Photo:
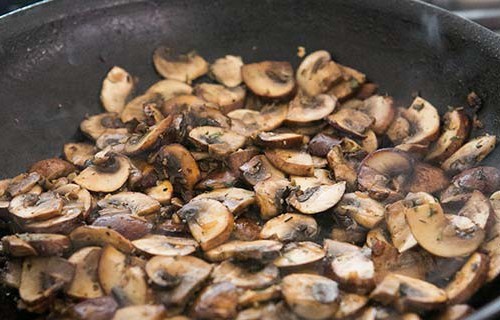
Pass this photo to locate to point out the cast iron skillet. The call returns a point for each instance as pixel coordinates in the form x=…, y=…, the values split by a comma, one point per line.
x=54, y=55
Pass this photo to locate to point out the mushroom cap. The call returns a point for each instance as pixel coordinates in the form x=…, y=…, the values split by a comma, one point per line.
x=116, y=89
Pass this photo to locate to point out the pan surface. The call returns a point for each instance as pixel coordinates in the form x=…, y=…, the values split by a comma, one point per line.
x=53, y=57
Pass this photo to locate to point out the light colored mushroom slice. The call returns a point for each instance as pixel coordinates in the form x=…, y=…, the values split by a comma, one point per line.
x=424, y=121
x=272, y=79
x=138, y=203
x=10, y=274
x=253, y=297
x=271, y=311
x=401, y=235
x=85, y=283
x=350, y=304
x=111, y=268
x=321, y=177
x=180, y=103
x=227, y=99
x=363, y=209
x=29, y=207
x=482, y=179
x=269, y=196
x=161, y=192
x=246, y=276
x=23, y=183
x=478, y=209
x=408, y=294
x=112, y=141
x=370, y=142
x=184, y=67
x=279, y=140
x=170, y=88
x=290, y=227
x=216, y=301
x=468, y=280
x=116, y=89
x=351, y=121
x=95, y=126
x=310, y=296
x=143, y=312
x=236, y=200
x=492, y=248
x=317, y=73
x=427, y=178
x=317, y=199
x=470, y=154
x=351, y=266
x=227, y=70
x=418, y=151
x=495, y=204
x=258, y=169
x=209, y=221
x=384, y=173
x=250, y=122
x=219, y=141
x=159, y=245
x=293, y=162
x=299, y=253
x=265, y=250
x=455, y=131
x=303, y=109
x=342, y=169
x=140, y=143
x=99, y=236
x=455, y=312
x=78, y=153
x=133, y=288
x=436, y=234
x=52, y=168
x=106, y=177
x=41, y=244
x=400, y=128
x=381, y=109
x=42, y=278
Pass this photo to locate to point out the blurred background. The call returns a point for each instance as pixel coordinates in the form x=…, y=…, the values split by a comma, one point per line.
x=485, y=12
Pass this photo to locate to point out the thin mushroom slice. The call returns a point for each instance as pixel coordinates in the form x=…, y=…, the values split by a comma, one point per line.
x=478, y=209
x=272, y=79
x=279, y=140
x=138, y=203
x=246, y=276
x=40, y=244
x=161, y=192
x=321, y=177
x=424, y=121
x=381, y=109
x=264, y=250
x=322, y=143
x=130, y=226
x=227, y=99
x=140, y=143
x=294, y=162
x=133, y=288
x=455, y=312
x=351, y=121
x=299, y=253
x=343, y=170
x=401, y=235
x=470, y=154
x=10, y=274
x=350, y=304
x=482, y=179
x=311, y=296
x=143, y=312
x=112, y=141
x=258, y=169
x=219, y=141
x=99, y=236
x=250, y=122
x=95, y=126
x=289, y=227
x=29, y=207
x=85, y=283
x=400, y=128
x=468, y=280
x=304, y=109
x=317, y=73
x=216, y=301
x=227, y=70
x=237, y=200
x=209, y=221
x=78, y=153
x=52, y=168
x=112, y=265
x=184, y=67
x=252, y=297
x=436, y=234
x=317, y=199
x=492, y=248
x=116, y=89
x=170, y=88
x=269, y=311
x=106, y=177
x=159, y=245
x=22, y=183
x=363, y=209
x=427, y=178
x=269, y=196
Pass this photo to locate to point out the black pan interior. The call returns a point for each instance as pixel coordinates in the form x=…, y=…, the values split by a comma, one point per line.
x=53, y=57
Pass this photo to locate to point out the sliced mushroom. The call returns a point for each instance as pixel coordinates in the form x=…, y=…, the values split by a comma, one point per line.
x=29, y=207
x=492, y=248
x=317, y=73
x=264, y=250
x=495, y=204
x=105, y=177
x=216, y=301
x=311, y=296
x=130, y=226
x=436, y=234
x=79, y=153
x=290, y=227
x=400, y=128
x=279, y=140
x=478, y=209
x=184, y=67
x=364, y=210
x=102, y=308
x=209, y=221
x=23, y=183
x=138, y=203
x=455, y=130
x=227, y=99
x=470, y=154
x=418, y=151
x=52, y=168
x=112, y=265
x=322, y=143
x=227, y=70
x=401, y=235
x=455, y=312
x=133, y=288
x=342, y=169
x=250, y=122
x=112, y=141
x=317, y=199
x=304, y=109
x=350, y=304
x=253, y=297
x=321, y=177
x=381, y=109
x=269, y=311
x=272, y=79
x=143, y=312
x=116, y=89
x=351, y=121
x=258, y=169
x=100, y=236
x=159, y=245
x=219, y=141
x=299, y=254
x=482, y=179
x=238, y=158
x=424, y=120
x=134, y=109
x=95, y=126
x=370, y=142
x=85, y=283
x=41, y=244
x=291, y=161
x=246, y=229
x=10, y=274
x=246, y=276
x=427, y=178
x=468, y=280
x=140, y=143
x=236, y=200
x=269, y=196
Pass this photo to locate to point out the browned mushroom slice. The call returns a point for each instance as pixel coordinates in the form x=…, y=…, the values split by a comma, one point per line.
x=134, y=109
x=363, y=209
x=424, y=121
x=321, y=177
x=294, y=162
x=169, y=88
x=455, y=131
x=238, y=158
x=269, y=195
x=279, y=140
x=42, y=277
x=401, y=235
x=10, y=274
x=483, y=179
x=227, y=99
x=138, y=203
x=322, y=143
x=381, y=109
x=219, y=141
x=317, y=73
x=455, y=312
x=351, y=266
x=269, y=311
x=161, y=192
x=370, y=142
x=418, y=151
x=246, y=276
x=273, y=79
x=342, y=169
x=492, y=248
x=116, y=89
x=470, y=154
x=179, y=103
x=264, y=250
x=143, y=312
x=227, y=70
x=52, y=168
x=436, y=234
x=217, y=179
x=478, y=209
x=350, y=304
x=400, y=128
x=317, y=199
x=406, y=293
x=140, y=143
x=184, y=67
x=105, y=177
x=42, y=244
x=299, y=253
x=236, y=200
x=468, y=280
x=102, y=308
x=78, y=153
x=258, y=169
x=495, y=204
x=383, y=173
x=112, y=265
x=427, y=178
x=85, y=283
x=112, y=141
x=216, y=301
x=290, y=227
x=246, y=229
x=129, y=226
x=23, y=183
x=209, y=221
x=351, y=121
x=252, y=297
x=304, y=109
x=133, y=287
x=250, y=122
x=95, y=126
x=311, y=296
x=100, y=236
x=30, y=207
x=158, y=245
